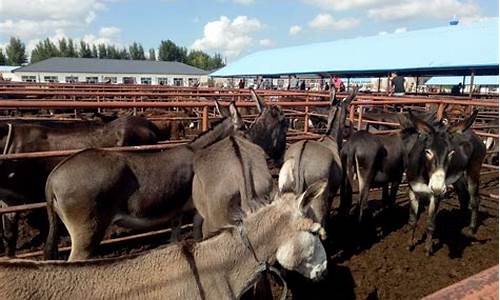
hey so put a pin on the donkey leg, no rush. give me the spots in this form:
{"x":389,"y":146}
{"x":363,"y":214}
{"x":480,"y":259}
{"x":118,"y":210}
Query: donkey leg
{"x":473,"y":188}
{"x":10,"y":224}
{"x":197,"y":227}
{"x":463,"y":194}
{"x":86,"y":236}
{"x":431,"y":223}
{"x":413,"y":219}
{"x":394,"y":193}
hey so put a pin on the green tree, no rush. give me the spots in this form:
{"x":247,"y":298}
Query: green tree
{"x":16,"y":52}
{"x":63,"y":47}
{"x":3,"y":59}
{"x":102,"y":51}
{"x":169,"y":51}
{"x":43,"y":50}
{"x":136,"y":51}
{"x":112,"y":52}
{"x":152,"y":54}
{"x":94,"y":51}
{"x":124,"y":54}
{"x":85,"y":50}
{"x":71,"y":48}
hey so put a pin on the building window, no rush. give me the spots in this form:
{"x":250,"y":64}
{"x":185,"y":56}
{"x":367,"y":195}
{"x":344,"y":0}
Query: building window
{"x":71,"y":79}
{"x":129,"y":80}
{"x":178,"y":82}
{"x":28,"y":78}
{"x":110,"y":79}
{"x":146,"y":80}
{"x":92,"y":79}
{"x":162,"y":80}
{"x":50,"y":79}
{"x":193,"y":81}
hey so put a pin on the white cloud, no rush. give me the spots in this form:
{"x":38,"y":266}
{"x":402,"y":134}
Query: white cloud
{"x":326,"y":21}
{"x":110,"y":32}
{"x":295,"y":29}
{"x":438,"y":9}
{"x":244,"y":2}
{"x":34,"y":19}
{"x":106,"y":35}
{"x":266,"y":43}
{"x":346,"y":4}
{"x":51,"y":9}
{"x":400,"y":30}
{"x":230,"y":37}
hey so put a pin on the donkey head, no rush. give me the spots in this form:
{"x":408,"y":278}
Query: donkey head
{"x":338,"y":113}
{"x":432,"y":152}
{"x":269,"y":128}
{"x":302,"y":250}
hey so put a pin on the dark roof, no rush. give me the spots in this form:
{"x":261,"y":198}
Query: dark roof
{"x":118,"y":66}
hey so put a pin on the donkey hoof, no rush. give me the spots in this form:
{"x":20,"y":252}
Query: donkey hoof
{"x":468,"y":232}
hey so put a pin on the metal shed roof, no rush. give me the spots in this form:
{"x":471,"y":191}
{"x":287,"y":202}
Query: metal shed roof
{"x":450,"y":50}
{"x":115,"y":66}
{"x":452,"y":80}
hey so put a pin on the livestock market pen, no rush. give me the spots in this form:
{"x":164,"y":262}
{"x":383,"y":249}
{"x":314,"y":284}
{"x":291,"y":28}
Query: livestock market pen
{"x":379,"y":266}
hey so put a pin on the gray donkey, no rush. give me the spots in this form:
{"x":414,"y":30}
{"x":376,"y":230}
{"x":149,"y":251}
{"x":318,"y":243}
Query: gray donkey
{"x":221,"y":267}
{"x":94,"y":188}
{"x":309,"y":161}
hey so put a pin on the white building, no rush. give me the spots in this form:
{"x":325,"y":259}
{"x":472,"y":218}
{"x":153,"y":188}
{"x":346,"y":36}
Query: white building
{"x":93,"y":70}
{"x":7,"y":74}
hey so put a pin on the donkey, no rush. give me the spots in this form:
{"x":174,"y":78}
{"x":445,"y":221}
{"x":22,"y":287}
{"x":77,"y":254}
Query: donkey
{"x":269,"y":128}
{"x":450,"y":155}
{"x":309,"y":161}
{"x":94,"y":188}
{"x":231,"y":178}
{"x":221,"y":267}
{"x":20,"y":137}
{"x":377,"y":161}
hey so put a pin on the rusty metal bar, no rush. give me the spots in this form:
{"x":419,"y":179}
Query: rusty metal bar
{"x":105,"y":242}
{"x":483,"y":285}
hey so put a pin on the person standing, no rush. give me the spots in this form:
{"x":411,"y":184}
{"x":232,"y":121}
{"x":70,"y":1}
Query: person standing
{"x":397,"y":85}
{"x":456,"y":90}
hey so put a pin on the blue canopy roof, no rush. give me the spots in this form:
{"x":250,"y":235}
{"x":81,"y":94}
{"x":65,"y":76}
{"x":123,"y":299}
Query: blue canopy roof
{"x":450,"y":50}
{"x":452,"y":80}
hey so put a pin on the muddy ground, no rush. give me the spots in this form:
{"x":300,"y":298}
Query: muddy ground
{"x":372,"y":262}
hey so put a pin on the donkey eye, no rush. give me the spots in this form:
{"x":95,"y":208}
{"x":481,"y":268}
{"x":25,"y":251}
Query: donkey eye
{"x":450,"y":155}
{"x":429,"y":154}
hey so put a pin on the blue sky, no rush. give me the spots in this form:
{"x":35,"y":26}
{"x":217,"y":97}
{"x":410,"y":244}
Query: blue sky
{"x":231,"y":27}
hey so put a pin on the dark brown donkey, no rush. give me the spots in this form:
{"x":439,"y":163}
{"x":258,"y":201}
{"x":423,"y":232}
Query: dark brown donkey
{"x":438,"y":157}
{"x":309,"y":161}
{"x":269,"y":128}
{"x":94,"y":188}
{"x":377,"y":161}
{"x":23,"y":181}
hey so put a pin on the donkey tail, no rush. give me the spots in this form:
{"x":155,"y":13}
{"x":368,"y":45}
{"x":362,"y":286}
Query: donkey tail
{"x":50,"y":250}
{"x":298,"y":173}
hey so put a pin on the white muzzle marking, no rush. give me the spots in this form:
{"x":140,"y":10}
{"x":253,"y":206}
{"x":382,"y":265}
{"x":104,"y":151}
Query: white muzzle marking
{"x":437,"y":182}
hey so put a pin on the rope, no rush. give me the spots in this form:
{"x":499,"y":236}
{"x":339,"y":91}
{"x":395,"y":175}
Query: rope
{"x":263,"y":266}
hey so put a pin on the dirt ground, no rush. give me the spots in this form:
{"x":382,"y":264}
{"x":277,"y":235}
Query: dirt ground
{"x":371,"y":261}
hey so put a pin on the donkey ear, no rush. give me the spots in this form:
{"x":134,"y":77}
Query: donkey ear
{"x":347,"y":100}
{"x":314,"y":191}
{"x":331,"y":118}
{"x":234,"y":114}
{"x":420,"y":125}
{"x":261,"y":104}
{"x":220,"y":110}
{"x":465,"y":124}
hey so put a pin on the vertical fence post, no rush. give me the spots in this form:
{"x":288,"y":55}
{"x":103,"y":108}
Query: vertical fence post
{"x":351,"y":114}
{"x":135,"y":108}
{"x":306,"y":115}
{"x":360,"y":116}
{"x":204,"y":121}
{"x":440,"y":111}
{"x":98,"y":108}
